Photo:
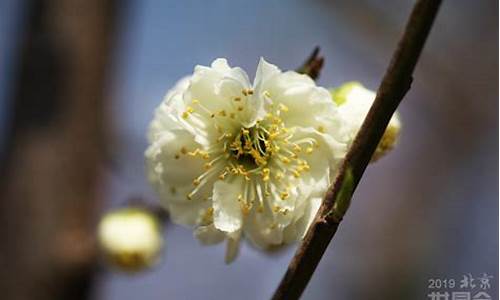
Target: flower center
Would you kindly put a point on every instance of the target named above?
(250, 147)
(266, 155)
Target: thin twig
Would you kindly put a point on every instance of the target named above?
(395, 84)
(313, 65)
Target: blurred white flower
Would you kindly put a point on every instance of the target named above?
(130, 238)
(234, 159)
(354, 101)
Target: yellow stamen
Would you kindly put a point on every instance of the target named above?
(265, 174)
(189, 110)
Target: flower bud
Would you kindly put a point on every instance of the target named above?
(130, 238)
(354, 101)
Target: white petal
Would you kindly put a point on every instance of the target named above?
(165, 156)
(277, 82)
(209, 235)
(220, 64)
(211, 96)
(232, 247)
(186, 213)
(227, 210)
(298, 229)
(206, 85)
(307, 104)
(265, 71)
(172, 174)
(249, 109)
(310, 106)
(179, 88)
(326, 156)
(261, 229)
(164, 117)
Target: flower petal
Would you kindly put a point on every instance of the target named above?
(167, 158)
(265, 71)
(209, 235)
(262, 230)
(298, 229)
(232, 247)
(307, 105)
(186, 213)
(227, 210)
(164, 117)
(172, 173)
(207, 85)
(326, 155)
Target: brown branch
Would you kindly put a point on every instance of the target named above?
(395, 84)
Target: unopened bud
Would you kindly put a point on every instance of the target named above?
(354, 102)
(131, 238)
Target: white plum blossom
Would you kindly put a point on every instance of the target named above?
(233, 159)
(354, 101)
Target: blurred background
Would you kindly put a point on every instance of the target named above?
(79, 81)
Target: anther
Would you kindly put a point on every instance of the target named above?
(189, 110)
(285, 160)
(265, 174)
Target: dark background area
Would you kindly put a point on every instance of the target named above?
(427, 210)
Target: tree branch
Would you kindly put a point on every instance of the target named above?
(395, 84)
